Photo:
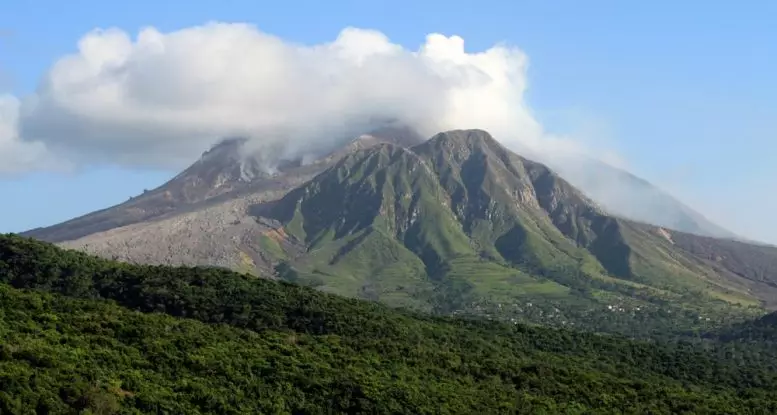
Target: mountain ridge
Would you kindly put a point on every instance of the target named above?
(234, 174)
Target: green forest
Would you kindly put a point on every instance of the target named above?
(84, 335)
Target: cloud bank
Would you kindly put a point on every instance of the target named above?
(160, 99)
(17, 155)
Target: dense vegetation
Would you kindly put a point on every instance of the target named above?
(761, 333)
(212, 341)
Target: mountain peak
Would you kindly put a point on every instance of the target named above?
(219, 169)
(460, 145)
(400, 135)
(230, 146)
(469, 138)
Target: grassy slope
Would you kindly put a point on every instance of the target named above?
(376, 250)
(279, 348)
(459, 224)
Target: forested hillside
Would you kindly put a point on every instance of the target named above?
(80, 333)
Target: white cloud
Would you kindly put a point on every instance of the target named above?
(17, 155)
(162, 98)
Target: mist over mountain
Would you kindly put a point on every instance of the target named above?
(627, 195)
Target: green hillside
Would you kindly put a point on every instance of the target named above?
(460, 225)
(84, 335)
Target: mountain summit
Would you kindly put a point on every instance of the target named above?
(224, 168)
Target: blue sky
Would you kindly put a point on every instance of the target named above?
(683, 91)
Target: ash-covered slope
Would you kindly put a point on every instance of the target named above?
(225, 171)
(220, 170)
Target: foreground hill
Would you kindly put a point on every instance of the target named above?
(212, 341)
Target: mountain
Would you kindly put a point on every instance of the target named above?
(459, 223)
(229, 171)
(86, 335)
(456, 224)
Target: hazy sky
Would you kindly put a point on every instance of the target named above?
(683, 94)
